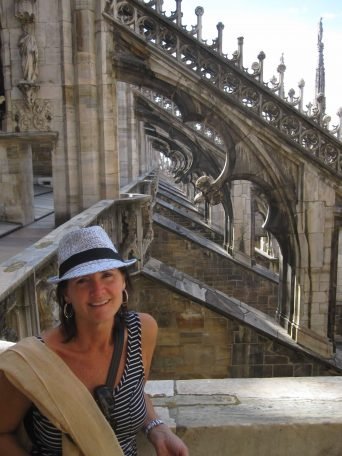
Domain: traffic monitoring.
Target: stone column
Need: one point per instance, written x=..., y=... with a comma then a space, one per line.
x=241, y=200
x=143, y=146
x=16, y=183
x=109, y=169
x=338, y=312
x=96, y=118
x=315, y=225
x=65, y=168
x=87, y=165
x=127, y=133
x=85, y=82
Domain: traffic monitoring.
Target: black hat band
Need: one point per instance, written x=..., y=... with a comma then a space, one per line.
x=99, y=253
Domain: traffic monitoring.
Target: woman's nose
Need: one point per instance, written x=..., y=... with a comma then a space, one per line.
x=96, y=287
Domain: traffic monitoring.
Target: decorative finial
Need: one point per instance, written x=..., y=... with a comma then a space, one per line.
x=199, y=11
x=320, y=71
x=320, y=31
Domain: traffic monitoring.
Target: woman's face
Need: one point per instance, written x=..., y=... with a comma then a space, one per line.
x=96, y=297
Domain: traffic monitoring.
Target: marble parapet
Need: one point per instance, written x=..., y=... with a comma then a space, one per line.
x=252, y=417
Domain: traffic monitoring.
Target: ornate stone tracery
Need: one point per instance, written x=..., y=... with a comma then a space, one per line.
x=24, y=10
x=267, y=100
x=34, y=116
x=47, y=304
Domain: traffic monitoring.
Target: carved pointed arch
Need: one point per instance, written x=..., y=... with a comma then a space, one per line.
x=255, y=163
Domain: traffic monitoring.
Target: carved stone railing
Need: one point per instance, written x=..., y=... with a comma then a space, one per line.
x=27, y=301
x=227, y=75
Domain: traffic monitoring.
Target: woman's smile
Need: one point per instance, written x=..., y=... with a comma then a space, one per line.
x=100, y=303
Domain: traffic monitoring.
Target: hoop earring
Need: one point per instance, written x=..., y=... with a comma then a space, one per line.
x=123, y=308
x=125, y=301
x=68, y=311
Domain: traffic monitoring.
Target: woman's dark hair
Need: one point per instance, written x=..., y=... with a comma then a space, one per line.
x=68, y=325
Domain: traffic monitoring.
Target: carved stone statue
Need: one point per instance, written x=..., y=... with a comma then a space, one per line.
x=29, y=54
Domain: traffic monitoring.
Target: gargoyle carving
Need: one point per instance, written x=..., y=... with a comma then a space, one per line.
x=211, y=190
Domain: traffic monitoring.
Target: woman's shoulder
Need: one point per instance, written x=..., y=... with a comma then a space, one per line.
x=146, y=320
x=53, y=338
x=149, y=328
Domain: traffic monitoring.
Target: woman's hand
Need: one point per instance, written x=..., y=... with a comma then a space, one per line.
x=166, y=443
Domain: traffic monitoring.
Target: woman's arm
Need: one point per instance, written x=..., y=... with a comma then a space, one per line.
x=165, y=442
x=13, y=407
x=149, y=332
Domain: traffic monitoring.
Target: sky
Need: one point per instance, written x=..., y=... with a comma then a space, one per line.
x=278, y=27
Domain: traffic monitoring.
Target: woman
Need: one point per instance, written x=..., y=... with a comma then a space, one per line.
x=60, y=416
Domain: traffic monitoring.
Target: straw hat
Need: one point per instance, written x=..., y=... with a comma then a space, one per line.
x=86, y=251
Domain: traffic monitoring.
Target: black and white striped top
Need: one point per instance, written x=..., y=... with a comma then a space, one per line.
x=130, y=407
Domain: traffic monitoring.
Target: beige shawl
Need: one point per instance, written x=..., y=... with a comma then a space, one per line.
x=47, y=381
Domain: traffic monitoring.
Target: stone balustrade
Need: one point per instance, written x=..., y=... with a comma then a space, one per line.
x=27, y=301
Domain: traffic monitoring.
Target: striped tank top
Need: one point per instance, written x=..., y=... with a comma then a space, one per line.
x=130, y=408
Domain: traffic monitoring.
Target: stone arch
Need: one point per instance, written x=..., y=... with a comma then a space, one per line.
x=267, y=155
x=184, y=136
x=255, y=164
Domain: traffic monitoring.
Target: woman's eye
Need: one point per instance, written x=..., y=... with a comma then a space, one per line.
x=107, y=274
x=81, y=280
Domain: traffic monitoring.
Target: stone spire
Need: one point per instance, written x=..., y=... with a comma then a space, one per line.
x=320, y=71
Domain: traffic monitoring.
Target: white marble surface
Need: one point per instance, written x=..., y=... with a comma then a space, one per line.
x=272, y=416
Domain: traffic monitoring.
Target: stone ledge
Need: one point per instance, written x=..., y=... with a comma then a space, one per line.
x=272, y=416
x=29, y=137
